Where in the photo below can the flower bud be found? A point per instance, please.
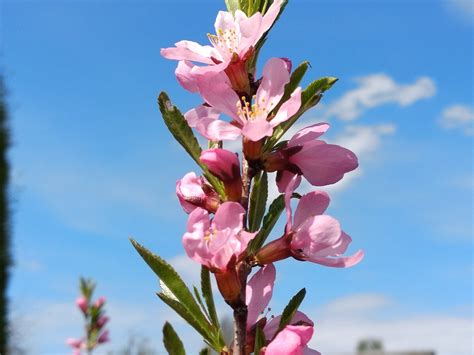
(104, 337)
(100, 302)
(194, 191)
(82, 303)
(102, 321)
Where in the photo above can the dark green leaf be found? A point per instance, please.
(258, 201)
(181, 131)
(206, 290)
(259, 340)
(189, 317)
(204, 351)
(201, 303)
(291, 309)
(173, 282)
(269, 221)
(173, 345)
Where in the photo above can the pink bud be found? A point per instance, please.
(288, 64)
(100, 302)
(102, 321)
(104, 337)
(222, 163)
(194, 191)
(74, 343)
(82, 303)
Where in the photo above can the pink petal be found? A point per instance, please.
(308, 351)
(275, 77)
(272, 326)
(346, 261)
(315, 234)
(249, 29)
(324, 164)
(194, 116)
(308, 134)
(283, 179)
(270, 16)
(259, 292)
(189, 187)
(222, 163)
(256, 130)
(185, 77)
(224, 21)
(311, 204)
(218, 130)
(288, 109)
(188, 50)
(215, 88)
(229, 215)
(291, 340)
(337, 249)
(193, 240)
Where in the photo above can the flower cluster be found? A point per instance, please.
(227, 228)
(95, 320)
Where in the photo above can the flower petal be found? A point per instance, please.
(189, 50)
(291, 340)
(324, 164)
(185, 77)
(229, 215)
(259, 292)
(290, 188)
(311, 204)
(274, 78)
(256, 130)
(315, 234)
(288, 109)
(272, 326)
(195, 115)
(283, 179)
(343, 261)
(308, 134)
(270, 16)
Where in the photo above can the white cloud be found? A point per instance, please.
(376, 90)
(460, 117)
(343, 322)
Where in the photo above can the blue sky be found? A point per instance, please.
(93, 164)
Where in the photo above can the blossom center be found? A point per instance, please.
(227, 40)
(248, 111)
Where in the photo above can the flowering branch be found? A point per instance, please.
(227, 225)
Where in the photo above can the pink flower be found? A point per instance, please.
(100, 302)
(292, 340)
(75, 343)
(252, 120)
(194, 191)
(236, 36)
(102, 321)
(310, 235)
(226, 166)
(215, 242)
(320, 163)
(259, 293)
(104, 337)
(82, 303)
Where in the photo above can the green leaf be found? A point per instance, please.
(259, 340)
(269, 221)
(258, 201)
(181, 131)
(204, 351)
(206, 290)
(291, 309)
(173, 345)
(295, 80)
(309, 98)
(201, 303)
(189, 317)
(173, 282)
(232, 5)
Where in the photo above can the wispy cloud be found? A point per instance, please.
(376, 90)
(464, 9)
(341, 323)
(458, 117)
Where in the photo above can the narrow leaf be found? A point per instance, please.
(173, 345)
(173, 282)
(189, 317)
(206, 290)
(269, 221)
(259, 340)
(201, 303)
(204, 351)
(291, 309)
(258, 201)
(232, 5)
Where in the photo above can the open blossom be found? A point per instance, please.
(292, 339)
(194, 191)
(310, 235)
(320, 163)
(235, 38)
(253, 120)
(215, 242)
